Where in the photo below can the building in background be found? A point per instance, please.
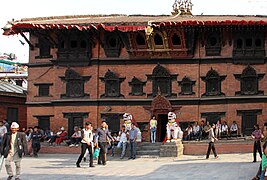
(12, 103)
(13, 71)
(99, 67)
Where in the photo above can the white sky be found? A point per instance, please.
(18, 9)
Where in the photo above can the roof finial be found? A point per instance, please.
(182, 7)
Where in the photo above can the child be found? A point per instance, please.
(264, 162)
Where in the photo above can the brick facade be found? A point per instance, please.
(17, 103)
(195, 66)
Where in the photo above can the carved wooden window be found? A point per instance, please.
(161, 81)
(43, 89)
(140, 41)
(74, 84)
(186, 86)
(158, 41)
(137, 87)
(213, 83)
(74, 48)
(44, 48)
(213, 44)
(249, 48)
(249, 82)
(112, 44)
(112, 84)
(176, 40)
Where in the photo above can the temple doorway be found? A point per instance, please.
(160, 107)
(162, 122)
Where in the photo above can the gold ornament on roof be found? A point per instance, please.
(182, 7)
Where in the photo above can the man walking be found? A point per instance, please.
(212, 139)
(36, 145)
(153, 129)
(132, 137)
(13, 146)
(103, 135)
(87, 143)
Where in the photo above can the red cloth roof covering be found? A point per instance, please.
(129, 23)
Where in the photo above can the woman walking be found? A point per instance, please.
(256, 135)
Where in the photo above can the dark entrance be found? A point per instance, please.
(74, 119)
(113, 121)
(249, 119)
(162, 122)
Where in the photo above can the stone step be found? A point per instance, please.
(150, 144)
(150, 153)
(148, 148)
(148, 156)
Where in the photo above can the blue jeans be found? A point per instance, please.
(153, 132)
(123, 146)
(262, 175)
(132, 149)
(0, 141)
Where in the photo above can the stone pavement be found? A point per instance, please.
(62, 166)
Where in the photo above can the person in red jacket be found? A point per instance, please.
(61, 136)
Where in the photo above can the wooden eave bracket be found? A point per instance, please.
(27, 40)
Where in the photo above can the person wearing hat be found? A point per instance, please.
(13, 146)
(59, 137)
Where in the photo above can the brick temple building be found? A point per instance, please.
(99, 67)
(12, 103)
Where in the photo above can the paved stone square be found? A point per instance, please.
(55, 166)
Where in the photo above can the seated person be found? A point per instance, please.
(59, 137)
(47, 134)
(76, 137)
(234, 129)
(224, 131)
(206, 129)
(189, 131)
(196, 130)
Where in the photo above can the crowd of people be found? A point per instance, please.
(96, 142)
(199, 131)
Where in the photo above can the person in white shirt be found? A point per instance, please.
(224, 129)
(196, 130)
(123, 141)
(76, 137)
(3, 130)
(87, 143)
(234, 129)
(218, 129)
(189, 131)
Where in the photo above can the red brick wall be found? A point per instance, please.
(96, 88)
(14, 102)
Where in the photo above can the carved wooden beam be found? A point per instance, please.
(27, 40)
